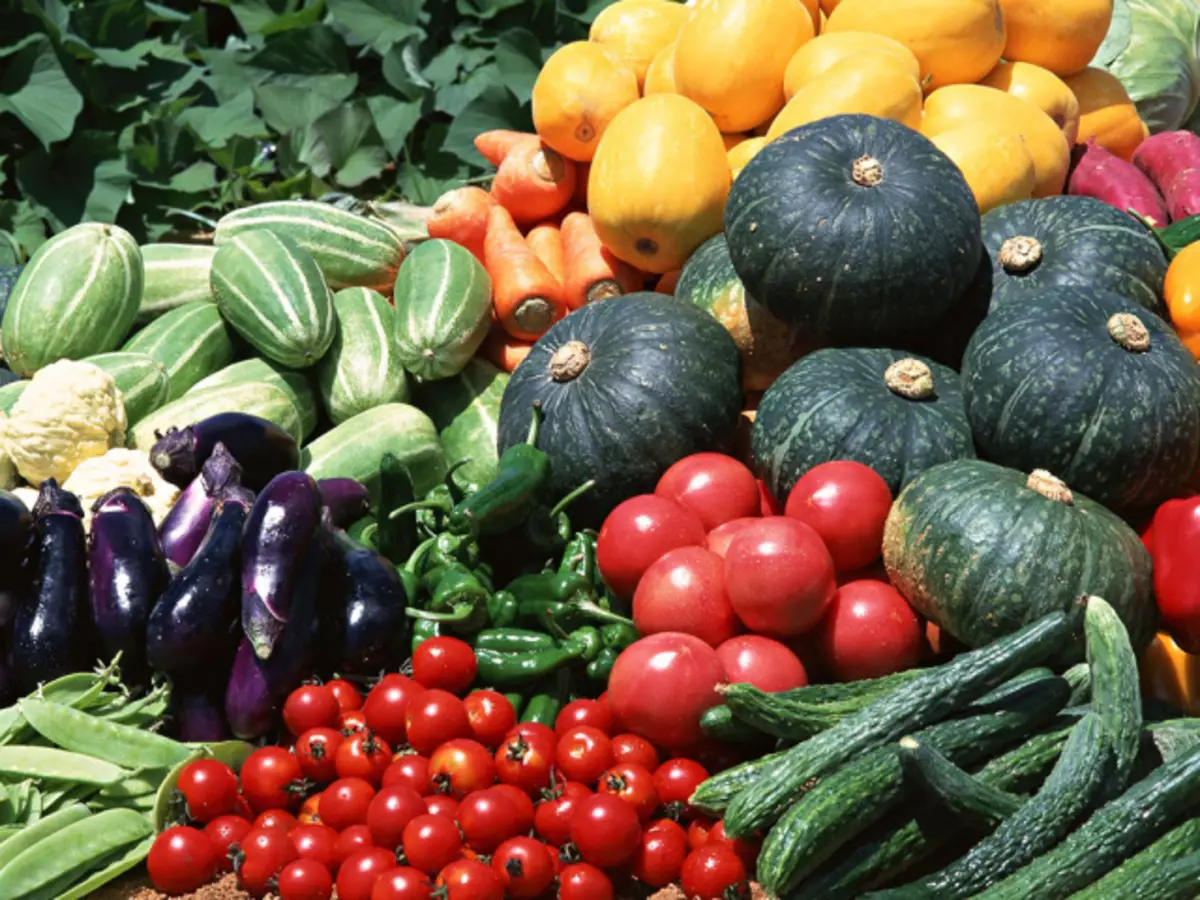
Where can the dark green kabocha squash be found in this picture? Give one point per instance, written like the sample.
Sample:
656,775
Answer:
627,387
982,550
1072,241
1089,386
896,413
856,229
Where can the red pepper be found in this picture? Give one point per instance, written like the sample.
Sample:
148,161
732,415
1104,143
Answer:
1175,547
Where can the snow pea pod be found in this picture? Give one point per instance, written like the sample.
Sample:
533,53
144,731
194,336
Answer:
80,690
101,738
118,867
57,765
30,835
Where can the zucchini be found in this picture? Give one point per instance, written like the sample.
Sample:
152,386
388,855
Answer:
976,803
1146,875
844,803
925,700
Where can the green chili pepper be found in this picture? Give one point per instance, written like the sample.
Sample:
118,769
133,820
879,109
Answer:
457,600
366,532
518,702
618,637
511,669
558,586
449,549
601,667
513,640
423,630
588,639
503,609
397,535
544,707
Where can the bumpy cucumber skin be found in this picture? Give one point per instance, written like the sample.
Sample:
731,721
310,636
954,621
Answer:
1146,875
960,793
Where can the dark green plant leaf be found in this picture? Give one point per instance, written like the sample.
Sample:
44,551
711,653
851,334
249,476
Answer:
519,59
24,223
35,88
402,71
394,120
216,126
495,107
87,179
118,24
258,17
315,50
288,102
380,24
454,98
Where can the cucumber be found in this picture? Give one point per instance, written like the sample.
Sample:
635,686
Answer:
142,379
77,297
355,448
967,797
466,410
873,687
443,309
790,720
362,369
11,392
256,398
720,724
351,250
176,274
191,342
1148,875
262,371
271,290
925,700
1079,676
714,794
847,801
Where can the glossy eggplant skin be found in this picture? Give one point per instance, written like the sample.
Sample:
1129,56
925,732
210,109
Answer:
262,448
48,631
364,627
184,527
346,499
16,536
198,716
126,574
196,615
275,549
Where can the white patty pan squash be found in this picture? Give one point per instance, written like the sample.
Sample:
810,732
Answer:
118,467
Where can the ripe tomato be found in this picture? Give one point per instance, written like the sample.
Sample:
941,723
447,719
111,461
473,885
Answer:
660,855
675,781
352,722
779,577
716,487
345,802
762,662
431,843
224,832
265,851
606,830
637,533
359,873
310,706
402,883
491,716
461,766
469,879
583,753
389,812
354,839
348,696
434,717
441,805
364,756
181,860
525,867
698,832
581,881
630,748
718,539
665,665
524,760
305,879
316,752
310,811
487,819
316,842
242,808
584,712
710,872
532,730
271,779
552,817
446,663
410,770
846,503
684,590
209,788
387,704
746,848
521,803
869,631
632,783
276,818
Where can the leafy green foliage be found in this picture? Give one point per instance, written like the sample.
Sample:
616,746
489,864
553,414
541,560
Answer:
159,116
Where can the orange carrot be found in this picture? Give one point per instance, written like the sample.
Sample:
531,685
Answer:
666,284
527,298
534,182
503,350
495,145
592,272
461,215
579,201
545,239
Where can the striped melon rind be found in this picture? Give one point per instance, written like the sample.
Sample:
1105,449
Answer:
77,297
355,448
176,274
263,400
142,380
191,342
362,369
352,250
273,294
466,410
443,309
294,384
10,393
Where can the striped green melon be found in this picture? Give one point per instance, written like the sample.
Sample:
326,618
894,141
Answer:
352,250
362,368
354,448
10,393
192,342
141,378
466,410
273,294
175,274
77,297
443,309
266,401
294,384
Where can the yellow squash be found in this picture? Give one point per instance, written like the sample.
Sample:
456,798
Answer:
1059,35
814,13
658,182
821,53
731,56
740,155
956,41
637,30
1106,113
978,106
660,77
580,89
1042,88
874,85
995,162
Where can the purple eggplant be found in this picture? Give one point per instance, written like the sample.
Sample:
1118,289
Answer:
365,628
346,500
196,616
16,536
127,573
52,498
185,526
275,548
262,448
199,717
9,692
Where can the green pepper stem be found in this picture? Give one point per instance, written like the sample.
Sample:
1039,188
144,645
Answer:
599,613
572,497
417,505
419,554
461,612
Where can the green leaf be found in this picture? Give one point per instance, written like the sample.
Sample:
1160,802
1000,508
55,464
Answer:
315,50
288,102
35,88
402,71
10,250
216,126
454,98
394,120
87,179
260,17
197,178
1119,31
519,59
487,9
24,223
496,107
380,24
111,23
